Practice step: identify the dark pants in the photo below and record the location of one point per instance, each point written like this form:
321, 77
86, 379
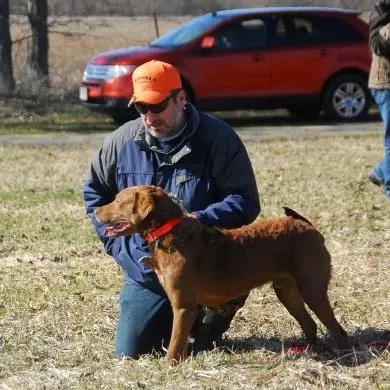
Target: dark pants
145, 322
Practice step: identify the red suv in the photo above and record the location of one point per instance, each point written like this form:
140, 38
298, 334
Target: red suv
305, 59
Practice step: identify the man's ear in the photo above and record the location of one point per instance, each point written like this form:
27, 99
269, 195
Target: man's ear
181, 97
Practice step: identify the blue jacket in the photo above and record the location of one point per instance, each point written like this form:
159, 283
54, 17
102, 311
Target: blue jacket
207, 167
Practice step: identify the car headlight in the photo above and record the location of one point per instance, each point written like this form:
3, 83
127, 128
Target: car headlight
119, 70
106, 72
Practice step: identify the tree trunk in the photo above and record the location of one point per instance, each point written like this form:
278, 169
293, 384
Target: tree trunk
7, 82
39, 42
73, 8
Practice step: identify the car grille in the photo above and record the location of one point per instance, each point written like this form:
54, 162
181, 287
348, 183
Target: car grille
96, 72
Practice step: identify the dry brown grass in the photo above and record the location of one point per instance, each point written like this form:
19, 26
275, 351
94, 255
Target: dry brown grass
59, 292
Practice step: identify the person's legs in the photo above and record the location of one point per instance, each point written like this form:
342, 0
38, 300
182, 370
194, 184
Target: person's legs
382, 169
145, 322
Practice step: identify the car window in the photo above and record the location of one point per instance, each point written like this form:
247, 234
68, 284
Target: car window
340, 31
241, 35
289, 30
188, 31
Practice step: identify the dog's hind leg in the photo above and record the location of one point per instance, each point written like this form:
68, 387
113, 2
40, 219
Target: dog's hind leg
318, 301
287, 292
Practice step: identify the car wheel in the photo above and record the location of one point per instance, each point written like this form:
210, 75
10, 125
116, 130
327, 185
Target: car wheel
346, 97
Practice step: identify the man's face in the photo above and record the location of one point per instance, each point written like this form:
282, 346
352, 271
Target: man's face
169, 121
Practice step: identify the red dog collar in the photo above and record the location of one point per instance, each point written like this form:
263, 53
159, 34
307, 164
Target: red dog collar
154, 235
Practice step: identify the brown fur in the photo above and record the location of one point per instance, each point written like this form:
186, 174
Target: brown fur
197, 264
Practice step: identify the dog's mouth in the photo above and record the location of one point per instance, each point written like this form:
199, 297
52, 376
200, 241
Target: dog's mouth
117, 229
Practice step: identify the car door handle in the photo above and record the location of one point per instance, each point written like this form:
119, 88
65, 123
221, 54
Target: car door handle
324, 52
258, 57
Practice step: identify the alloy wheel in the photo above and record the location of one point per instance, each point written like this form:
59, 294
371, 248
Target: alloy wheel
349, 100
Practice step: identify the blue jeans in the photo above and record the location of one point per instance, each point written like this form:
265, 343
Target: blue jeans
145, 322
382, 169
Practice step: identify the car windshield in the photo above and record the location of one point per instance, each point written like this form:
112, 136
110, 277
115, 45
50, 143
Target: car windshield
188, 31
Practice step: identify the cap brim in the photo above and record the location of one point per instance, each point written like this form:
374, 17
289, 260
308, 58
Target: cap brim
148, 97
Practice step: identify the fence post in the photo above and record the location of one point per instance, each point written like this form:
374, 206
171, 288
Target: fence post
156, 24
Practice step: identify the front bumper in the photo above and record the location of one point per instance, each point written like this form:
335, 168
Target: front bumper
91, 98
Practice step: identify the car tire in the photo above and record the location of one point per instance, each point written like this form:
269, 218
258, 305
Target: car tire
346, 98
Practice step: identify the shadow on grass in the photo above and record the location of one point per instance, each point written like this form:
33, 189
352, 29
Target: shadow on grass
77, 127
367, 344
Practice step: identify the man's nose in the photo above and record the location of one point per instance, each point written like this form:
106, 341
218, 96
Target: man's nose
150, 116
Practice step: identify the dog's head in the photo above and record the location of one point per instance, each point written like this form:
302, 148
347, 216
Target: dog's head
137, 210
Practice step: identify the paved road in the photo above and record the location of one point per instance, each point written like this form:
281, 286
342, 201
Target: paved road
246, 128
309, 130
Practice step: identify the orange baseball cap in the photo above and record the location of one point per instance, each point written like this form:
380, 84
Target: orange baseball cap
153, 81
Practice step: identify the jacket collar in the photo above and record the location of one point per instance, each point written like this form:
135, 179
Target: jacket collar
144, 139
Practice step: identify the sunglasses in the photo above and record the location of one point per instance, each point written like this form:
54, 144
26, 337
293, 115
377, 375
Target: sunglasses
143, 108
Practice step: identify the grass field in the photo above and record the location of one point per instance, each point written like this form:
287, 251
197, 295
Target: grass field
59, 291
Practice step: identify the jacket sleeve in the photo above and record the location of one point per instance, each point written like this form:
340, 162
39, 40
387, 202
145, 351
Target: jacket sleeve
379, 40
100, 188
238, 199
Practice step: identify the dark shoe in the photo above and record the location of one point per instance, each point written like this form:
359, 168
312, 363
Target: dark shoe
374, 178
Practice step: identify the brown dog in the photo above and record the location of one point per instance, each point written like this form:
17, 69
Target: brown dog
197, 264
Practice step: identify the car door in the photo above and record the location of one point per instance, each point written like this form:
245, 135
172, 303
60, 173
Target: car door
296, 60
236, 66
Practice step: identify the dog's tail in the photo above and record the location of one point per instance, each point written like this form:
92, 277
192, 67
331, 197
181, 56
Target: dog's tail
291, 213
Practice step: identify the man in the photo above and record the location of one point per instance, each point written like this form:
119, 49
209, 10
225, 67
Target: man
379, 82
193, 155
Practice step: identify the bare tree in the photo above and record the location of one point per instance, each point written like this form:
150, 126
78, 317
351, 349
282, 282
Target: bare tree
38, 59
6, 75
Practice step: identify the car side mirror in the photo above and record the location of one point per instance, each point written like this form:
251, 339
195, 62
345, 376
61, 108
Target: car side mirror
208, 43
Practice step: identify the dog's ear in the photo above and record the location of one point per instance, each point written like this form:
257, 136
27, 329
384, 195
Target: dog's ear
143, 205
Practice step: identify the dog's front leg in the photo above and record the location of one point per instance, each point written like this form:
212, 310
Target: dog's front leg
183, 319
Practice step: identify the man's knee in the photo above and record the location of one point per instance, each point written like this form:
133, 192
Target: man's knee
140, 344
127, 344
144, 324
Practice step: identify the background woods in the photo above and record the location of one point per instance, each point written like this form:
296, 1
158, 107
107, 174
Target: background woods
6, 75
172, 7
